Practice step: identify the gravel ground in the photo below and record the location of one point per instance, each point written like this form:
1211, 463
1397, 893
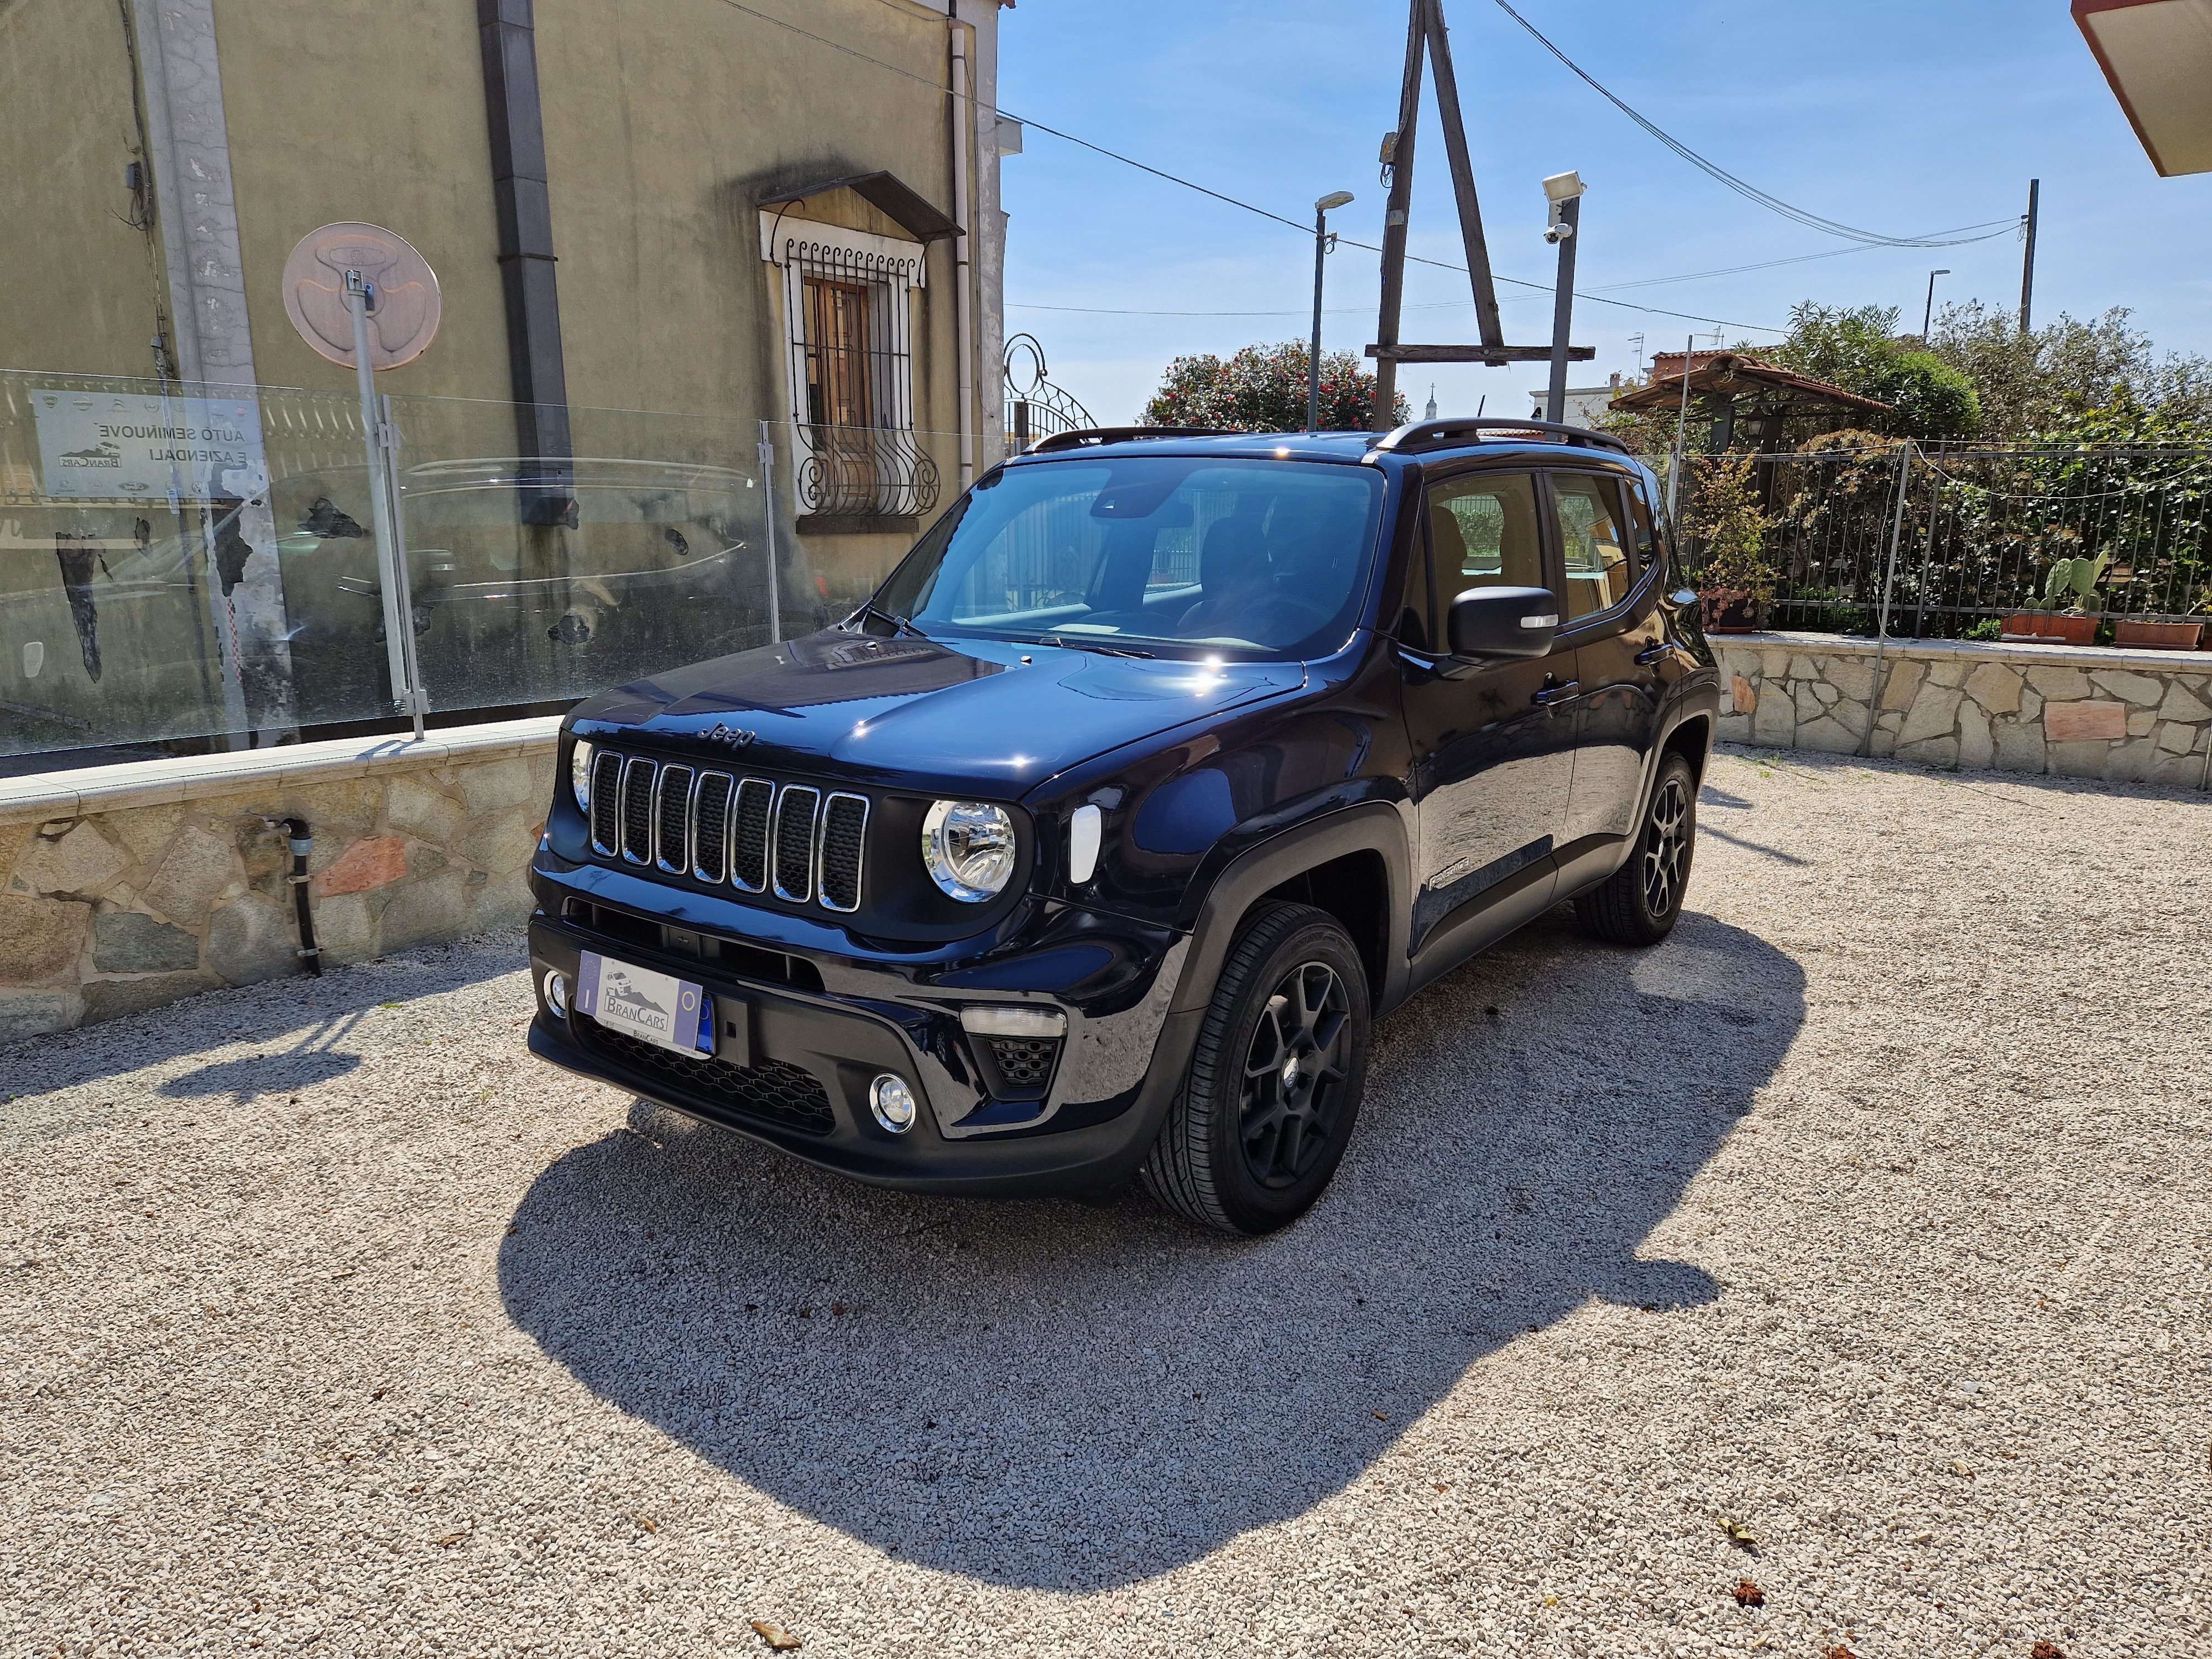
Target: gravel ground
1871, 1215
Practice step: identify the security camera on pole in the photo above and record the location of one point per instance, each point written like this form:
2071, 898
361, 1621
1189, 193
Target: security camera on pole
337, 280
1563, 190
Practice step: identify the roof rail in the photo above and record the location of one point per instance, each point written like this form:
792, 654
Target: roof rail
1418, 435
1086, 437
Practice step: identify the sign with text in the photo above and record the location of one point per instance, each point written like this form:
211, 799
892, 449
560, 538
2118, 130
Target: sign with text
104, 445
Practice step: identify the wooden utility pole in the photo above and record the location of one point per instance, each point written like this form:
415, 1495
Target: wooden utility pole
1398, 157
2027, 260
1425, 34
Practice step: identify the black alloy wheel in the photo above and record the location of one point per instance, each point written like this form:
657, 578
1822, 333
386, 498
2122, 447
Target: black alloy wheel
1272, 1093
1294, 1075
1664, 851
1641, 900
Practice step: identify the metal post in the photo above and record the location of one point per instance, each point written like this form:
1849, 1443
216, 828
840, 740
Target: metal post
387, 433
1889, 577
1021, 425
1563, 310
1927, 314
768, 499
398, 623
1682, 430
1313, 357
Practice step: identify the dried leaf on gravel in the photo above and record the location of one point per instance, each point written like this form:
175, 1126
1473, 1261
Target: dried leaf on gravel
776, 1636
1749, 1594
2046, 1650
1840, 1651
1738, 1534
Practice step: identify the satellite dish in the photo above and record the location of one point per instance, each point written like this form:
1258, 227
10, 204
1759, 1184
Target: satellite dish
408, 303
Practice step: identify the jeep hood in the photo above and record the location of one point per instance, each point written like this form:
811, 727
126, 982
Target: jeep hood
981, 716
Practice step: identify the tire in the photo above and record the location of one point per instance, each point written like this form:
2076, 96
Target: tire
1246, 1151
1639, 902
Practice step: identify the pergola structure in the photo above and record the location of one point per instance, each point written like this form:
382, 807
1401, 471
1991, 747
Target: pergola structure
1740, 396
2158, 56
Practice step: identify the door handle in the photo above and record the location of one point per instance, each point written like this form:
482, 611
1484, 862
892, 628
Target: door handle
1652, 653
1552, 694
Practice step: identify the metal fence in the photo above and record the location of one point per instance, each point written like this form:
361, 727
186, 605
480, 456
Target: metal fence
1945, 542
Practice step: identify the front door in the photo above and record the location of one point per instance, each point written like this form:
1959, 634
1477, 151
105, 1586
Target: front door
1492, 742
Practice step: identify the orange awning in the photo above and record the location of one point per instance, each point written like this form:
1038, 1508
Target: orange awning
2158, 56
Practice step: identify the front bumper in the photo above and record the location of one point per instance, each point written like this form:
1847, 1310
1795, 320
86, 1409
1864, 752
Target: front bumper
816, 1032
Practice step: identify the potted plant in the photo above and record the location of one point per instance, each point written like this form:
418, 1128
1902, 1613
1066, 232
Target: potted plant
1736, 583
2157, 636
2068, 612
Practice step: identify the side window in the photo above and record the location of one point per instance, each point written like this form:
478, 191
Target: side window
1595, 543
1482, 534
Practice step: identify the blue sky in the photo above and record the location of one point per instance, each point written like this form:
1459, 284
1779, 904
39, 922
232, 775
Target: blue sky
1899, 116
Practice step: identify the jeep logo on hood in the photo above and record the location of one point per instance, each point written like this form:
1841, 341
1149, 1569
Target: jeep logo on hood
735, 737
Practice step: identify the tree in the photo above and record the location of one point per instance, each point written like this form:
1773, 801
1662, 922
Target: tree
2040, 382
1263, 389
1857, 348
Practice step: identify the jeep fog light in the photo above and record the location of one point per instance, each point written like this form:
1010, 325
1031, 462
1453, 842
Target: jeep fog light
968, 847
557, 993
1000, 1019
892, 1102
580, 775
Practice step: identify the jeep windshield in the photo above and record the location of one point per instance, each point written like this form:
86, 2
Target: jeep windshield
1153, 556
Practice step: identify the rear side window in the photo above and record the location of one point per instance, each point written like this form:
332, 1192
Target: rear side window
1594, 542
1482, 534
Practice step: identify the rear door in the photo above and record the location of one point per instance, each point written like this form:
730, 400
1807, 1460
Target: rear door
1609, 617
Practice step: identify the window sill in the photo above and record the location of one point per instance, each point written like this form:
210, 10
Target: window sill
857, 524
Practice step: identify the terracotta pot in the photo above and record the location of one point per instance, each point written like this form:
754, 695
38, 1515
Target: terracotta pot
1729, 611
2052, 627
2158, 636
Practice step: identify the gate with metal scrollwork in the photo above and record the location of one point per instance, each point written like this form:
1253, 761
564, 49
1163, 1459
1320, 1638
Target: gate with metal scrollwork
1036, 408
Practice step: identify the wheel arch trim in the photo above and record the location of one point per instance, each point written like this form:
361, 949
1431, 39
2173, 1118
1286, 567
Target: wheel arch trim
1371, 827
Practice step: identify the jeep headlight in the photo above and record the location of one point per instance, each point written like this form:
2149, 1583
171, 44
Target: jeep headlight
968, 847
580, 775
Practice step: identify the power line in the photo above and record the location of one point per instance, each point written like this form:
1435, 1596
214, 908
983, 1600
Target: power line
1795, 259
1302, 229
1750, 193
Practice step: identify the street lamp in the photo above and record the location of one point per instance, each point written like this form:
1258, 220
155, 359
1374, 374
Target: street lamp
1928, 317
1322, 240
1563, 190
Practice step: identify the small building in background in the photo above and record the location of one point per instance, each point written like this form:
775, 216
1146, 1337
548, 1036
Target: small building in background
1585, 404
1736, 401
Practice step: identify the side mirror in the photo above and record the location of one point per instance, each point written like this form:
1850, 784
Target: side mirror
1504, 622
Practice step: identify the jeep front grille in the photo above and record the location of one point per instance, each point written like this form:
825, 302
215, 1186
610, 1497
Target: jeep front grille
758, 836
606, 804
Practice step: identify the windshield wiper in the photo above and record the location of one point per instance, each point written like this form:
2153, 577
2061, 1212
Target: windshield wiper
1100, 646
899, 624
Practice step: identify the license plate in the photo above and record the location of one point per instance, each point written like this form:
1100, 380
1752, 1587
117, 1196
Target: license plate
659, 1008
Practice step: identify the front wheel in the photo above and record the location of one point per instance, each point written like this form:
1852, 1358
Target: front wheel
1639, 902
1263, 1117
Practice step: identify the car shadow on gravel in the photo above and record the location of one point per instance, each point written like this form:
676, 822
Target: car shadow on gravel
1066, 1397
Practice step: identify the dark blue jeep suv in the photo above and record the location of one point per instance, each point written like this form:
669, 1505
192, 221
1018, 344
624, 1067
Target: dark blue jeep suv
1092, 845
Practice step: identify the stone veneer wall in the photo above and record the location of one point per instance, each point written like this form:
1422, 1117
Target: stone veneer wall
2072, 711
128, 886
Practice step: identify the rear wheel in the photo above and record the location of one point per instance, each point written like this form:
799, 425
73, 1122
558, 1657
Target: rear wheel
1274, 1089
1639, 904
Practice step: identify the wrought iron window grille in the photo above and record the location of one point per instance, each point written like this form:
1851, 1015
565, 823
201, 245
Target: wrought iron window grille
849, 314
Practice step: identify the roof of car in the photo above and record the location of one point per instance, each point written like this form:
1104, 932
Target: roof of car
1418, 440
